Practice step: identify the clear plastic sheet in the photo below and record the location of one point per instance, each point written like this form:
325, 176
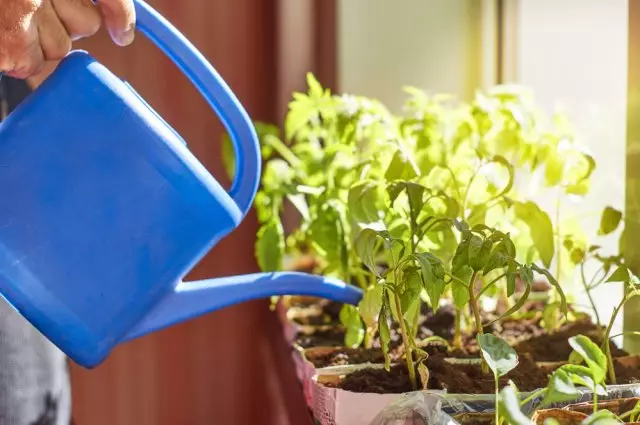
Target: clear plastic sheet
433, 408
416, 408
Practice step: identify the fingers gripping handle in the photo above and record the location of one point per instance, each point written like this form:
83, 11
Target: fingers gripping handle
219, 96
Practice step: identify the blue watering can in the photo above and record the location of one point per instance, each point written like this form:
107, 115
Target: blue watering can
106, 210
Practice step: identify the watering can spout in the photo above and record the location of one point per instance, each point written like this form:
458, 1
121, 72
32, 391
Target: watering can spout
193, 299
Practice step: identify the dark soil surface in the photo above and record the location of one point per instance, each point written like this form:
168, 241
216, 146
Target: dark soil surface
345, 356
527, 338
333, 337
555, 346
462, 378
626, 374
455, 378
430, 324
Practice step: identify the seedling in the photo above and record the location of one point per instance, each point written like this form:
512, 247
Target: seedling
483, 252
632, 284
501, 359
563, 381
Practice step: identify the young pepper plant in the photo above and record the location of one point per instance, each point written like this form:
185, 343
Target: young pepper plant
483, 250
501, 358
632, 289
400, 285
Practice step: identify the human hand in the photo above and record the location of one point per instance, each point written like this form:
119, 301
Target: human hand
35, 31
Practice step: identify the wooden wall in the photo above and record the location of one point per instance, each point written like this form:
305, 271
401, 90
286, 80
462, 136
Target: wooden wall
231, 366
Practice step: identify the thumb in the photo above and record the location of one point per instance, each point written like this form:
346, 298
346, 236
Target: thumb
119, 17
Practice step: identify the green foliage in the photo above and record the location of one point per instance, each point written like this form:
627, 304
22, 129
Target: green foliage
508, 407
422, 205
498, 354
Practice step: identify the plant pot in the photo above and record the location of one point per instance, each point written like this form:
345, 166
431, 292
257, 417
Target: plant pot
339, 406
474, 418
334, 406
617, 406
563, 416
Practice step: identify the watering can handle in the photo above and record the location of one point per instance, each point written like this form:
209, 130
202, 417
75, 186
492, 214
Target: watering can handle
219, 96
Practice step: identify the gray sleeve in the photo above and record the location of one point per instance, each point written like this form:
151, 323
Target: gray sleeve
34, 376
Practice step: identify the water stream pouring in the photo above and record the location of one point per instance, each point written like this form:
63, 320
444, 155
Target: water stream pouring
106, 210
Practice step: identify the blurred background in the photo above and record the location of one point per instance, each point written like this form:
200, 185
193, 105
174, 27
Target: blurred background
576, 55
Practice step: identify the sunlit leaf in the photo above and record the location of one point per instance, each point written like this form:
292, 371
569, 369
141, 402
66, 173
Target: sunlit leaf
371, 304
609, 221
498, 354
509, 407
560, 389
270, 246
592, 355
541, 229
350, 319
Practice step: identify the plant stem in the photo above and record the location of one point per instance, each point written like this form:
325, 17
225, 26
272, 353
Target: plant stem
407, 344
595, 400
490, 284
284, 151
557, 250
497, 409
476, 314
606, 343
588, 291
533, 396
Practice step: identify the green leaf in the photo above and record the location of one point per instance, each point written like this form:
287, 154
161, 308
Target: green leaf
560, 389
553, 282
602, 417
480, 259
540, 228
270, 246
511, 173
366, 202
517, 306
579, 375
554, 166
592, 355
411, 286
609, 221
384, 332
350, 319
460, 293
498, 354
228, 156
415, 193
365, 245
499, 258
461, 257
509, 407
432, 276
474, 250
315, 89
402, 167
577, 178
549, 316
328, 236
371, 304
511, 278
620, 275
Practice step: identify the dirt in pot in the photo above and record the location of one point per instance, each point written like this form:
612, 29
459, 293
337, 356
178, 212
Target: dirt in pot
552, 347
333, 337
342, 356
443, 375
626, 374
